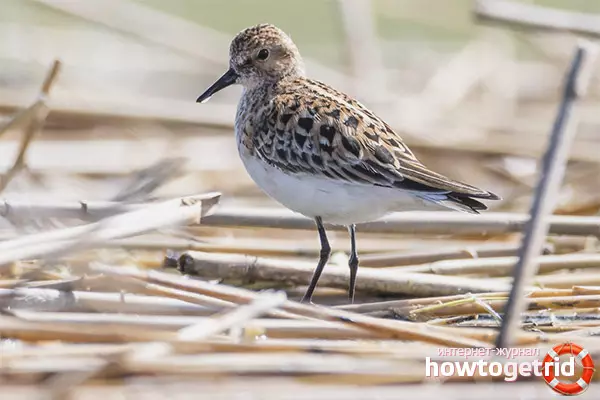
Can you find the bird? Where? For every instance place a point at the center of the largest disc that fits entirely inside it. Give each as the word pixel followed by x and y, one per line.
pixel 321 153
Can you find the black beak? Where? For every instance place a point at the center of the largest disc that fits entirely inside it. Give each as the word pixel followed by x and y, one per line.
pixel 228 79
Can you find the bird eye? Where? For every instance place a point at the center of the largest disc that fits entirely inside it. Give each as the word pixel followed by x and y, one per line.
pixel 263 55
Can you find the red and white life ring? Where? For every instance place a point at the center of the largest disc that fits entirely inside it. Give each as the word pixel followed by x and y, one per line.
pixel 580 354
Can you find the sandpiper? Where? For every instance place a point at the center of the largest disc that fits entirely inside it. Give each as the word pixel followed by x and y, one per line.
pixel 321 153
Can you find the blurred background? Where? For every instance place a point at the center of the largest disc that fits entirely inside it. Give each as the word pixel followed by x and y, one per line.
pixel 475 101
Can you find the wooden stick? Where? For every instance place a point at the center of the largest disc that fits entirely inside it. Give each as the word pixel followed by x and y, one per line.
pixel 251 269
pixel 552 171
pixel 437 222
pixel 537 17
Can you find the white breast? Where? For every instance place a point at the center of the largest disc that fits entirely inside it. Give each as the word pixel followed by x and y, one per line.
pixel 335 202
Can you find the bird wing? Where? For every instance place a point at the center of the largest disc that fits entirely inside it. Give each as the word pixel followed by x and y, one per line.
pixel 317 130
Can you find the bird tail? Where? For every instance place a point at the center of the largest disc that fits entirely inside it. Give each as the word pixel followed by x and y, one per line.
pixel 460 202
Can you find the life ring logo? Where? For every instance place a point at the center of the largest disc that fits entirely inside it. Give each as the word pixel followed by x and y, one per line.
pixel 552 363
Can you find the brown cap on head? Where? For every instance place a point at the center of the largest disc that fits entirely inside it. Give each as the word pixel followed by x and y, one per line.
pixel 261 54
pixel 279 57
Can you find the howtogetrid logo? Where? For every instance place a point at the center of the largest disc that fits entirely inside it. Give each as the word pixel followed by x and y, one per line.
pixel 560 374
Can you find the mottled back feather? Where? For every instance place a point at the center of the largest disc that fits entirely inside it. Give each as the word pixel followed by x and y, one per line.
pixel 332 135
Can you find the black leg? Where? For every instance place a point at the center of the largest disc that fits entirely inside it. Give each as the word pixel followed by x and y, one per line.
pixel 324 257
pixel 352 262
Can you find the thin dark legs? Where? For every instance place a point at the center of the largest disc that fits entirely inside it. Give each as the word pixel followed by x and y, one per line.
pixel 323 258
pixel 352 262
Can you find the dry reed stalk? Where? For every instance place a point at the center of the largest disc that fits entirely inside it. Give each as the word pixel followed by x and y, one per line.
pixel 194 298
pixel 90 284
pixel 469 306
pixel 18 119
pixel 567 244
pixel 252 269
pixel 262 304
pixel 426 301
pixel 567 280
pixel 271 328
pixel 383 349
pixel 436 222
pixel 503 266
pixel 63 350
pixel 203 330
pixel 586 290
pixel 570 328
pixel 174 212
pixel 273 248
pixel 91 210
pixel 266 364
pixel 212 241
pixel 551 173
pixel 203 300
pixel 522 338
pixel 395 259
pixel 532 321
pixel 15 328
pixel 35 115
pixel 386 349
pixel 369 242
pixel 585 332
pixel 568 312
pixel 81 301
pixel 537 17
pixel 248 363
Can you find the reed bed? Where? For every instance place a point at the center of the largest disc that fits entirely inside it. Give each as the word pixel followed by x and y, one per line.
pixel 103 313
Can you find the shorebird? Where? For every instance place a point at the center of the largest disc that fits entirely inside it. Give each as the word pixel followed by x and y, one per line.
pixel 321 153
